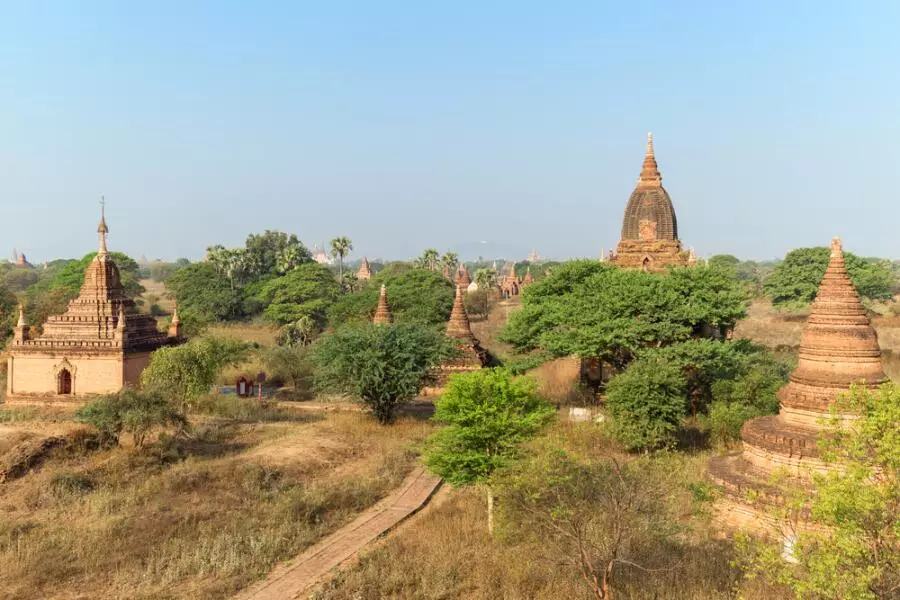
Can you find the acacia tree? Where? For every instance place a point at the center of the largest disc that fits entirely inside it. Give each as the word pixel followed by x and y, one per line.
pixel 489 414
pixel 856 551
pixel 598 516
pixel 341 247
pixel 382 366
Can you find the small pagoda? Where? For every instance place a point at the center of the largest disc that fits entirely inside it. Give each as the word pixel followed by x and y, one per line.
pixel 510 283
pixel 462 276
pixel 383 315
pixel 838 348
pixel 98 346
pixel 649 229
pixel 472 355
pixel 528 279
pixel 365 272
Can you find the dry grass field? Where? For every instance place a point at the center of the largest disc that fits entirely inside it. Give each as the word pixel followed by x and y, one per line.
pixel 197 518
pixel 446 552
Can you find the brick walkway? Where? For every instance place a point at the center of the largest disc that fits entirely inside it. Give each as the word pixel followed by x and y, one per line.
pixel 289 580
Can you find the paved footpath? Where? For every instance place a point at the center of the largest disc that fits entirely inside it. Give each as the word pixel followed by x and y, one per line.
pixel 289 580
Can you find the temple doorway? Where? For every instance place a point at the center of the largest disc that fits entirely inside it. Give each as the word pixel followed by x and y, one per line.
pixel 64 382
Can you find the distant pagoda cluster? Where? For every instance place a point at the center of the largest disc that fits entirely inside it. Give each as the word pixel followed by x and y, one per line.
pixel 98 346
pixel 838 348
pixel 649 238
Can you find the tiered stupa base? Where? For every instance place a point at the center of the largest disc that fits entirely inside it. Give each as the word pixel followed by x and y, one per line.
pixel 650 255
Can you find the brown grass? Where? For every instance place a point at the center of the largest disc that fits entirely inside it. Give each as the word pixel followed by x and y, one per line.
pixel 197 519
pixel 446 552
pixel 258 333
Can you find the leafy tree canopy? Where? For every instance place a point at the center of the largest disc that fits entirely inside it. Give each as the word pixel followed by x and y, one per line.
pixel 274 252
pixel 306 291
pixel 382 366
pixel 795 281
pixel 595 310
pixel 489 414
pixel 189 371
pixel 415 295
pixel 136 412
pixel 730 381
pixel 204 294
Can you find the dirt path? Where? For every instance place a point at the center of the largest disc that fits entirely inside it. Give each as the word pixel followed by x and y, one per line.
pixel 291 579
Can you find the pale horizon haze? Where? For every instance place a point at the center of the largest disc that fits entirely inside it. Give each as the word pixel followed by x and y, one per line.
pixel 407 125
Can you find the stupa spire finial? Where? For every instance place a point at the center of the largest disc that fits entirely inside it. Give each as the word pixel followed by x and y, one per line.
pixel 102 229
pixel 650 175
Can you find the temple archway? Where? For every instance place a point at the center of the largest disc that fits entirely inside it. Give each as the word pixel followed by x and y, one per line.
pixel 64 382
pixel 645 265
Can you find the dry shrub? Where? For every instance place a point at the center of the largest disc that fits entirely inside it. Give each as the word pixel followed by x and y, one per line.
pixel 559 381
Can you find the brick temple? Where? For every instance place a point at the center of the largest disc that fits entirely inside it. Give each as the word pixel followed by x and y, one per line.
pixel 650 229
pixel 838 348
pixel 98 346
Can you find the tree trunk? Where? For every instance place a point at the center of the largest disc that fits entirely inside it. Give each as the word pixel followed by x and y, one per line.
pixel 490 511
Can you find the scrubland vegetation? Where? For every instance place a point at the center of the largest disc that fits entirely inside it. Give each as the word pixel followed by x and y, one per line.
pixel 170 491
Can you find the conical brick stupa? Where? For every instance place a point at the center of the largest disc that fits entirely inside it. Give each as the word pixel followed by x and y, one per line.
pixel 839 348
pixel 472 355
pixel 383 314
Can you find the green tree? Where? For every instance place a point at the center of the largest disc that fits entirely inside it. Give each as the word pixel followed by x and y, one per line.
pixel 233 263
pixel 204 295
pixel 795 281
pixel 646 403
pixel 595 310
pixel 135 412
pixel 489 414
pixel 189 371
pixel 307 291
pixel 269 252
pixel 382 366
pixel 299 333
pixel 415 295
pixel 341 247
pixel 855 554
pixel 290 364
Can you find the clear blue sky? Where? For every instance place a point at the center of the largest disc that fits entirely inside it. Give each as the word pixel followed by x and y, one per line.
pixel 412 124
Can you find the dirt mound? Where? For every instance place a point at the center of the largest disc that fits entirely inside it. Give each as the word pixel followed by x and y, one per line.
pixel 27 455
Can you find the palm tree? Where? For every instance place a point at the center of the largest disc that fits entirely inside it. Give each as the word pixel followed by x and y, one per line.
pixel 341 247
pixel 450 261
pixel 485 279
pixel 429 259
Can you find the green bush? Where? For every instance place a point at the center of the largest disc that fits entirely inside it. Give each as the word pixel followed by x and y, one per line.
pixel 135 412
pixel 647 404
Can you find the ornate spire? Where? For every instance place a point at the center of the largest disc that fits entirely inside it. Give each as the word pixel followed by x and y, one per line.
pixel 175 324
pixel 383 314
pixel 365 272
pixel 102 229
pixel 21 322
pixel 458 325
pixel 650 175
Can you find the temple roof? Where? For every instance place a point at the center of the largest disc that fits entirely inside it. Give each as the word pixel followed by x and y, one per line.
pixel 102 316
pixel 649 214
pixel 383 310
pixel 462 275
pixel 365 272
